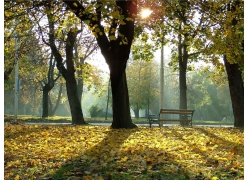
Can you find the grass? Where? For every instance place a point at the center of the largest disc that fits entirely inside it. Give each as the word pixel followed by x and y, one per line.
pixel 99 152
pixel 67 119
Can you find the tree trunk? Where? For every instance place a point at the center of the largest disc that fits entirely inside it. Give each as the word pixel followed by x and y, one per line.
pixel 46 90
pixel 80 88
pixel 136 111
pixel 183 89
pixel 71 85
pixel 52 112
pixel 121 108
pixel 74 102
pixel 183 59
pixel 236 88
pixel 106 116
pixel 182 79
pixel 79 73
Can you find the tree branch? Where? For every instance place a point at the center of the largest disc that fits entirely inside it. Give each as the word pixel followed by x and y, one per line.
pixel 101 37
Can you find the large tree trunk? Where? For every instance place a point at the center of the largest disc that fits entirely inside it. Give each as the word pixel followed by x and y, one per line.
pixel 183 59
pixel 236 88
pixel 121 108
pixel 183 88
pixel 46 90
pixel 74 102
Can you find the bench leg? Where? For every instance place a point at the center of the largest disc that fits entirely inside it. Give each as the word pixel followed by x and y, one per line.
pixel 160 124
pixel 150 124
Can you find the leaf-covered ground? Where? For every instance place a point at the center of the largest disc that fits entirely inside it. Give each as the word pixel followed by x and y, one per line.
pixel 99 152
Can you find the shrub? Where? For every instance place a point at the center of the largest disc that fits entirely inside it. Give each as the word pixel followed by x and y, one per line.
pixel 95 111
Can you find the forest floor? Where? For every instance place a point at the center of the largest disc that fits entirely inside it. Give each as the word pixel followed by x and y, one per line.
pixel 43 151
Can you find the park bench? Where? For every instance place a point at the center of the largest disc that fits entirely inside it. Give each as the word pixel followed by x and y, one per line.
pixel 185 116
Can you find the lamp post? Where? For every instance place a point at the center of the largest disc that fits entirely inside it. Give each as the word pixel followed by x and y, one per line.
pixel 16 79
pixel 162 77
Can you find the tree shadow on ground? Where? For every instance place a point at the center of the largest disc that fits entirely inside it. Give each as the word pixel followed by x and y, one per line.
pixel 175 153
pixel 214 151
pixel 111 159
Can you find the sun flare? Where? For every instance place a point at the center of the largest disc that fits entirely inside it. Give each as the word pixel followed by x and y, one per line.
pixel 145 13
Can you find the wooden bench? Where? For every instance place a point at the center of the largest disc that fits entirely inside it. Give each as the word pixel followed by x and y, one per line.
pixel 185 115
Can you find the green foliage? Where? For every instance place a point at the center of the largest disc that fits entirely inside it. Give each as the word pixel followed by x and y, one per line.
pixel 209 98
pixel 96 111
pixel 142 49
pixel 142 83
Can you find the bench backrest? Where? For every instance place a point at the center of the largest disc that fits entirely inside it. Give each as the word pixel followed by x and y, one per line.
pixel 176 111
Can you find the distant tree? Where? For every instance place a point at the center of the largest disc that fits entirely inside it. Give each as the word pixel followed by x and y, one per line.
pixel 22 44
pixel 142 84
pixel 208 96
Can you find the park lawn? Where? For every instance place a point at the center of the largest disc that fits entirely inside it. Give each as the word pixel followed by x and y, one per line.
pixel 99 152
pixel 67 119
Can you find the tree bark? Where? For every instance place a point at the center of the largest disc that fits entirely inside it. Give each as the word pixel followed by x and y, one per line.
pixel 136 111
pixel 236 87
pixel 79 73
pixel 80 82
pixel 71 84
pixel 121 108
pixel 47 87
pixel 183 59
pixel 52 112
pixel 106 116
pixel 46 90
pixel 182 79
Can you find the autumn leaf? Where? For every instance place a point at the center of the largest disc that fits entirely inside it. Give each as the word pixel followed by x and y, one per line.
pixel 99 152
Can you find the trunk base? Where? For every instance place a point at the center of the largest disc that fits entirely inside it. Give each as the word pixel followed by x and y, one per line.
pixel 127 126
pixel 77 124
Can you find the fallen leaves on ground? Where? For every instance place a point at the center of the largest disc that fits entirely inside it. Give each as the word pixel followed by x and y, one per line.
pixel 99 152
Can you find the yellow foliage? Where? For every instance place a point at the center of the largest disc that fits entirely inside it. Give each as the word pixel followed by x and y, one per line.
pixel 112 37
pixel 41 151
